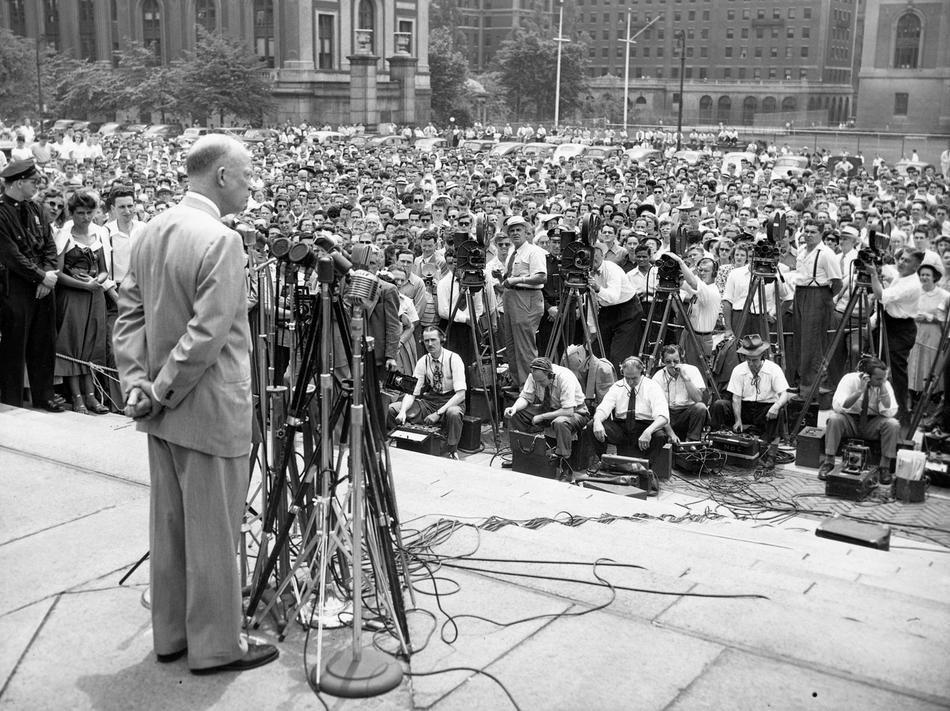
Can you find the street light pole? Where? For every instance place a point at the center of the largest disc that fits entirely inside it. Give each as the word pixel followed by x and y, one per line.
pixel 560 39
pixel 626 70
pixel 679 118
pixel 39 83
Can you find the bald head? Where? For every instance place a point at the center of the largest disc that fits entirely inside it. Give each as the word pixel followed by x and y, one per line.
pixel 219 167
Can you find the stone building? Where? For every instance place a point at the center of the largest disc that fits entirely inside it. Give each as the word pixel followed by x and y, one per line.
pixel 905 72
pixel 329 61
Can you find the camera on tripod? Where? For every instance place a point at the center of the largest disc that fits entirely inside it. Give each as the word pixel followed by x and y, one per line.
pixel 765 254
pixel 668 273
pixel 870 257
pixel 471 254
pixel 577 253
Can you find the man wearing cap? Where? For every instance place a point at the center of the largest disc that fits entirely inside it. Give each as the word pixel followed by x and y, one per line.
pixel 551 397
pixel 27 278
pixel 759 392
pixel 524 278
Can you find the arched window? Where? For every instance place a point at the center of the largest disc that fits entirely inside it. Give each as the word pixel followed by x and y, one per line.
pixel 724 109
pixel 152 28
pixel 768 105
pixel 264 30
pixel 705 109
pixel 789 103
pixel 87 30
pixel 51 22
pixel 641 101
pixel 17 17
pixel 366 20
pixel 907 42
pixel 749 106
pixel 206 14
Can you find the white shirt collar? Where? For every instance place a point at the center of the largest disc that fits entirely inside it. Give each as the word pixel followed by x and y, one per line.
pixel 207 201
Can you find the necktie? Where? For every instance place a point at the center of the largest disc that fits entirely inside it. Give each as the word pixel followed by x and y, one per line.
pixel 511 264
pixel 863 417
pixel 631 417
pixel 437 376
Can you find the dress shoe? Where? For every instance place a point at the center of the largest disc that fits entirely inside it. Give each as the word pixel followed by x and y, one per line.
pixel 94 406
pixel 884 476
pixel 824 470
pixel 506 465
pixel 53 406
pixel 257 655
pixel 168 658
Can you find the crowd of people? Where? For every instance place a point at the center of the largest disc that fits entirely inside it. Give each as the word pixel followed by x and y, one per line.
pixel 75 203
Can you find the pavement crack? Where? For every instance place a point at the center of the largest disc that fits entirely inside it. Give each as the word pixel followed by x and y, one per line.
pixel 58 524
pixel 26 649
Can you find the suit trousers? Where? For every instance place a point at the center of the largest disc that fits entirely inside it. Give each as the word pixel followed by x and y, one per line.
pixel 424 406
pixel 626 441
pixel 28 328
pixel 841 425
pixel 197 505
pixel 620 330
pixel 814 307
pixel 688 421
pixel 564 428
pixel 523 310
pixel 901 335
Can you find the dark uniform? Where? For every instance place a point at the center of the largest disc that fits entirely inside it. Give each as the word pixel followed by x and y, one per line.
pixel 27 323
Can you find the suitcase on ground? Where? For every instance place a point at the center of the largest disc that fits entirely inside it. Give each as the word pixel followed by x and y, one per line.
pixel 529 454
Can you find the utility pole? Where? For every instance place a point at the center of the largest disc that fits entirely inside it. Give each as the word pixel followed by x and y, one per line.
pixel 560 39
pixel 679 118
pixel 39 84
pixel 626 69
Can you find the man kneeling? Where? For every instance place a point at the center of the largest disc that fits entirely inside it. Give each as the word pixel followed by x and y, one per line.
pixel 439 395
pixel 633 411
pixel 864 406
pixel 551 397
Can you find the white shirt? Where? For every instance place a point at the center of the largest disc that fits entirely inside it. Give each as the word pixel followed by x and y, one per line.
pixel 650 401
pixel 849 384
pixel 900 298
pixel 704 312
pixel 737 290
pixel 768 386
pixel 643 284
pixel 564 391
pixel 447 295
pixel 529 260
pixel 118 248
pixel 675 388
pixel 819 267
pixel 615 287
pixel 453 372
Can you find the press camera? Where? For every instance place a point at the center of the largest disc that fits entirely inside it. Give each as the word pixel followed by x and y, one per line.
pixel 471 254
pixel 577 253
pixel 870 258
pixel 766 253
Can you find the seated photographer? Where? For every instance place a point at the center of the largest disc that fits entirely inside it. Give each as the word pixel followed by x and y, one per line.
pixel 864 406
pixel 633 411
pixel 551 398
pixel 759 392
pixel 439 395
pixel 685 392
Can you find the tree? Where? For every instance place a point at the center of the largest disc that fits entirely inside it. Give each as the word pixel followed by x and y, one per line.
pixel 527 68
pixel 448 70
pixel 220 75
pixel 448 16
pixel 141 83
pixel 78 88
pixel 18 95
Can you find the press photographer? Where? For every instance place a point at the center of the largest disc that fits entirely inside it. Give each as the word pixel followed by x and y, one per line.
pixel 699 292
pixel 618 317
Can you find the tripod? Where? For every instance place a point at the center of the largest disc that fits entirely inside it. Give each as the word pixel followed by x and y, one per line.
pixel 575 298
pixel 673 302
pixel 757 288
pixel 489 378
pixel 858 298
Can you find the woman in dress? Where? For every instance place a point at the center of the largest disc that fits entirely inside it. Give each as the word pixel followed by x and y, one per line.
pixel 931 312
pixel 740 257
pixel 81 301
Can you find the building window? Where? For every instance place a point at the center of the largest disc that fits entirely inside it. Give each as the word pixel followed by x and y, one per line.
pixel 727 51
pixel 803 74
pixel 742 73
pixel 804 51
pixel 791 13
pixel 703 73
pixel 806 13
pixel 730 33
pixel 907 42
pixel 806 32
pixel 758 52
pixel 723 109
pixel 152 28
pixel 689 73
pixel 900 103
pixel 51 20
pixel 773 52
pixel 264 31
pixel 727 73
pixel 326 31
pixel 17 14
pixel 773 73
pixel 406 27
pixel 206 15
pixel 757 74
pixel 704 51
pixel 790 33
pixel 87 30
pixel 366 20
pixel 744 33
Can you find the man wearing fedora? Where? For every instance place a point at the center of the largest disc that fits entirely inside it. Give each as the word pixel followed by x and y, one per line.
pixel 759 392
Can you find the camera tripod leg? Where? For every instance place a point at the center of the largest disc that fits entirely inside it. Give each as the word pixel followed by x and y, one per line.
pixel 653 357
pixel 694 341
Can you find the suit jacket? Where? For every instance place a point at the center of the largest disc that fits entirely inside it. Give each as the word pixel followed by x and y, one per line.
pixel 183 326
pixel 383 324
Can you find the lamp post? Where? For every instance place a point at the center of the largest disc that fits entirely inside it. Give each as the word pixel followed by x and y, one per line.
pixel 39 83
pixel 560 39
pixel 679 117
pixel 626 68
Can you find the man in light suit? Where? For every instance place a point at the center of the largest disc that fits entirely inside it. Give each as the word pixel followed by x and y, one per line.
pixel 182 348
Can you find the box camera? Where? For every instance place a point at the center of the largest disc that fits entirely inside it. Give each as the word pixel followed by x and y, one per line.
pixel 401 382
pixel 577 253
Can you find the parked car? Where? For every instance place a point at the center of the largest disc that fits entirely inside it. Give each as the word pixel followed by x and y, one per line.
pixel 86 126
pixel 920 166
pixel 427 145
pixel 641 154
pixel 387 141
pixel 689 157
pixel 62 124
pixel 538 150
pixel 505 148
pixel 110 128
pixel 7 143
pixel 163 130
pixel 568 151
pixel 259 135
pixel 192 134
pixel 476 145
pixel 133 129
pixel 327 137
pixel 789 166
pixel 603 152
pixel 732 161
pixel 856 164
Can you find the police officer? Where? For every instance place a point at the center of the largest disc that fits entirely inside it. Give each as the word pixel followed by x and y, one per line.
pixel 27 306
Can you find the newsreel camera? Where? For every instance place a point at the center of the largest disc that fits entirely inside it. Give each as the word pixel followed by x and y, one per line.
pixel 577 253
pixel 870 258
pixel 765 254
pixel 668 273
pixel 471 254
